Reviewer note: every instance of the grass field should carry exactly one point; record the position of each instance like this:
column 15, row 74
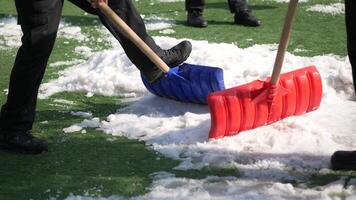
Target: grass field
column 97, row 164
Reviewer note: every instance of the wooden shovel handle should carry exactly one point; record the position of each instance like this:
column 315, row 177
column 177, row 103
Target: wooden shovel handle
column 133, row 37
column 283, row 44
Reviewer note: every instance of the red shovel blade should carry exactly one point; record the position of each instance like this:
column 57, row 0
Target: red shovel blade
column 235, row 109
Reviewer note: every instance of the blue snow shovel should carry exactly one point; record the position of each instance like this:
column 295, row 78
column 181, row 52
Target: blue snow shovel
column 187, row 82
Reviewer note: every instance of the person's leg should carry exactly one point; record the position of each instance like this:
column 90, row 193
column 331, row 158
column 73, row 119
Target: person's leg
column 39, row 21
column 346, row 160
column 195, row 10
column 350, row 19
column 127, row 11
column 242, row 13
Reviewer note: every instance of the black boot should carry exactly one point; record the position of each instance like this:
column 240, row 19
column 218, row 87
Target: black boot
column 246, row 18
column 22, row 142
column 343, row 160
column 177, row 54
column 195, row 18
column 172, row 57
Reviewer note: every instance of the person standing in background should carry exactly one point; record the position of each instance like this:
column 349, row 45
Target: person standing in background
column 242, row 14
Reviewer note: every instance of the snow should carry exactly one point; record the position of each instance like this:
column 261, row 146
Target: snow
column 86, row 123
column 292, row 149
column 84, row 51
column 167, row 31
column 66, row 30
column 158, row 23
column 11, row 32
column 165, row 187
column 81, row 114
column 334, row 9
column 66, row 63
column 64, row 101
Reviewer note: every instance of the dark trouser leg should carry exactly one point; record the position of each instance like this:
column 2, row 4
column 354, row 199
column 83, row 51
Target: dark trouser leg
column 350, row 16
column 194, row 5
column 237, row 6
column 39, row 22
column 127, row 12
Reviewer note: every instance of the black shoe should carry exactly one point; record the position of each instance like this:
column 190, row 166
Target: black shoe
column 343, row 160
column 246, row 18
column 22, row 142
column 172, row 57
column 195, row 18
column 177, row 54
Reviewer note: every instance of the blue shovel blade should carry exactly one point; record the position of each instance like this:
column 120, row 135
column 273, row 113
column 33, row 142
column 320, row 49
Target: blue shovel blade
column 188, row 83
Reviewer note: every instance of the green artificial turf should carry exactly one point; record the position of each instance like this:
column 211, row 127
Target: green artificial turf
column 97, row 164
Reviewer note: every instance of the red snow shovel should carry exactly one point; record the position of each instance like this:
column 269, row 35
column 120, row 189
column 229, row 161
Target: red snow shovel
column 263, row 102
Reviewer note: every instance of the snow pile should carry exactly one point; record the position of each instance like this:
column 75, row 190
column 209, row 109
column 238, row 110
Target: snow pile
column 334, row 9
column 111, row 73
column 291, row 149
column 165, row 187
column 108, row 73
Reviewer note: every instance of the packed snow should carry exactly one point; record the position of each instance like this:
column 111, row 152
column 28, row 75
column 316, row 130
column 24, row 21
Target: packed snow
column 292, row 149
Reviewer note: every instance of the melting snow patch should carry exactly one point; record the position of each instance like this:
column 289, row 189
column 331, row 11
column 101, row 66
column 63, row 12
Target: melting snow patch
column 81, row 114
column 165, row 186
column 334, row 9
column 64, row 101
column 11, row 32
column 84, row 51
column 92, row 123
column 167, row 31
column 158, row 23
